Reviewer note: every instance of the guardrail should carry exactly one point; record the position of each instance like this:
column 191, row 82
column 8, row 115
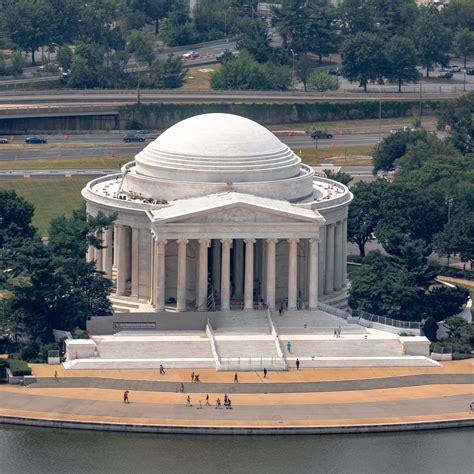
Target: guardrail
column 276, row 338
column 387, row 321
column 253, row 363
column 334, row 311
column 212, row 341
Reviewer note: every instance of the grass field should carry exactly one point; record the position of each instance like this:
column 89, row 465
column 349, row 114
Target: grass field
column 50, row 196
column 65, row 163
column 339, row 156
column 197, row 78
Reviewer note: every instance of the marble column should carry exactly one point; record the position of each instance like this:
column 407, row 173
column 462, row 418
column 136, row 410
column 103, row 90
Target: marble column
column 159, row 274
column 330, row 259
column 344, row 253
column 181, row 286
column 225, row 274
column 292, row 273
column 313, row 274
column 270, row 272
column 90, row 253
column 239, row 269
column 338, row 257
column 108, row 252
column 116, row 238
column 135, row 248
column 99, row 254
column 122, row 258
column 202, row 275
column 216, row 265
column 322, row 259
column 248, row 291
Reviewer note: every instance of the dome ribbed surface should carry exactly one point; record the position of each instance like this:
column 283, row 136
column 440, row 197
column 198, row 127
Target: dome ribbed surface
column 218, row 148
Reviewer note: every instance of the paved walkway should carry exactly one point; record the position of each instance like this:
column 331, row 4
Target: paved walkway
column 324, row 397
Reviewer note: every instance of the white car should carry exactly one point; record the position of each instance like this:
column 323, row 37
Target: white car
column 190, row 55
column 454, row 68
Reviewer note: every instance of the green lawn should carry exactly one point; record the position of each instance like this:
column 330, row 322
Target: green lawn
column 50, row 196
column 64, row 163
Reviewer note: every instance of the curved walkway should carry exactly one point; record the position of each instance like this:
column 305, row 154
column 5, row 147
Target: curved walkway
column 291, row 402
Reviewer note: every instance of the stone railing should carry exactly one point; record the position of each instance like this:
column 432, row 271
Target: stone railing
column 212, row 341
column 253, row 363
column 334, row 311
column 276, row 338
column 387, row 324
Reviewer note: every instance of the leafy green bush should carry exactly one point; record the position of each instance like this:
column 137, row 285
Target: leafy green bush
column 30, row 351
column 19, row 367
column 43, row 353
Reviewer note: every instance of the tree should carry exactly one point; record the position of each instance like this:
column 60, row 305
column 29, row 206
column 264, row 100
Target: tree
column 459, row 14
column 95, row 20
column 152, row 9
column 339, row 176
column 29, row 24
column 393, row 147
column 322, row 32
column 303, row 68
column 400, row 61
column 321, row 81
column 83, row 74
column 431, row 38
column 292, row 21
column 464, row 43
column 458, row 117
column 64, row 58
column 141, row 45
column 444, row 302
column 168, row 74
column 256, row 40
column 430, row 329
column 364, row 212
column 362, row 56
column 177, row 28
column 18, row 63
column 456, row 326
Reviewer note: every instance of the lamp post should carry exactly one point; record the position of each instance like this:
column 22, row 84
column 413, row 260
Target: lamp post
column 293, row 68
column 380, row 114
column 449, row 202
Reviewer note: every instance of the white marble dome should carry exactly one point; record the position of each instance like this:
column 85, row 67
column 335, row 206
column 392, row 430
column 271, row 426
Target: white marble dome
column 218, row 148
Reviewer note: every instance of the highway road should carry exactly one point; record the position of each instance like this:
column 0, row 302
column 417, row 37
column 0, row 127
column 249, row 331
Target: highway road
column 112, row 144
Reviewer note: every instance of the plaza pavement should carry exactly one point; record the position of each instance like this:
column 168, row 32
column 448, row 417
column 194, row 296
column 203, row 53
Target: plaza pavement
column 410, row 395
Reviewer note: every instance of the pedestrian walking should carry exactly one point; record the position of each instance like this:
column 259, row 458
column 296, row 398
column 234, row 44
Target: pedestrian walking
column 288, row 345
column 265, row 373
column 188, row 401
column 192, row 376
column 297, row 364
column 236, row 378
column 207, row 401
column 335, row 332
column 229, row 404
column 225, row 398
column 56, row 375
column 339, row 331
column 471, row 407
column 125, row 396
column 196, row 378
column 162, row 370
column 182, row 388
column 177, row 387
column 200, row 405
column 218, row 403
column 280, row 310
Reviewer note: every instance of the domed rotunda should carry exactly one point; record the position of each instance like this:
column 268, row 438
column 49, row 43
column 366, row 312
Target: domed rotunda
column 218, row 213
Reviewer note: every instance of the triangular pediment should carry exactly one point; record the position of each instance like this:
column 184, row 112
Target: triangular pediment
column 233, row 208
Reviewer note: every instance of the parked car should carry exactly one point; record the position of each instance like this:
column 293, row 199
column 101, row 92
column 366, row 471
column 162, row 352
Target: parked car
column 445, row 75
column 35, row 140
column 190, row 55
column 453, row 68
column 3, row 141
column 470, row 72
column 405, row 128
column 133, row 137
column 334, row 71
column 320, row 134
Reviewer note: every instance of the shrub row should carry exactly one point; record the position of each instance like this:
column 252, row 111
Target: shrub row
column 160, row 116
column 18, row 367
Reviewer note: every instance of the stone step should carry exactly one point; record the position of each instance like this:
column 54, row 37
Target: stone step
column 245, row 349
column 341, row 347
column 342, row 362
column 137, row 364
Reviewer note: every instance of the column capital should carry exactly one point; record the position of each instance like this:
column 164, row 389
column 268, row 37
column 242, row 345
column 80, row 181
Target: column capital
column 313, row 240
column 293, row 239
column 249, row 241
column 206, row 242
column 182, row 241
column 274, row 241
column 226, row 241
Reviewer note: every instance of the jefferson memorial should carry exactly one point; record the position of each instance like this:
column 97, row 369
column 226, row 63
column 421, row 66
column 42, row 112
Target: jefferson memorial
column 218, row 213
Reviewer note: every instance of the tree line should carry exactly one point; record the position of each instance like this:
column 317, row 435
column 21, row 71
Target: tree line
column 427, row 207
column 377, row 39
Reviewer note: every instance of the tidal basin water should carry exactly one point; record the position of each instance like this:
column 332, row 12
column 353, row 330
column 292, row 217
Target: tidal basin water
column 41, row 450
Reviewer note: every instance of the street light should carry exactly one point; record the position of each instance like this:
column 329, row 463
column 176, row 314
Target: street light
column 293, row 68
column 449, row 202
column 380, row 114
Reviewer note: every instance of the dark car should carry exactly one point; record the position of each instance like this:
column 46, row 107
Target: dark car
column 445, row 75
column 470, row 72
column 133, row 137
column 320, row 134
column 334, row 71
column 3, row 141
column 35, row 140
